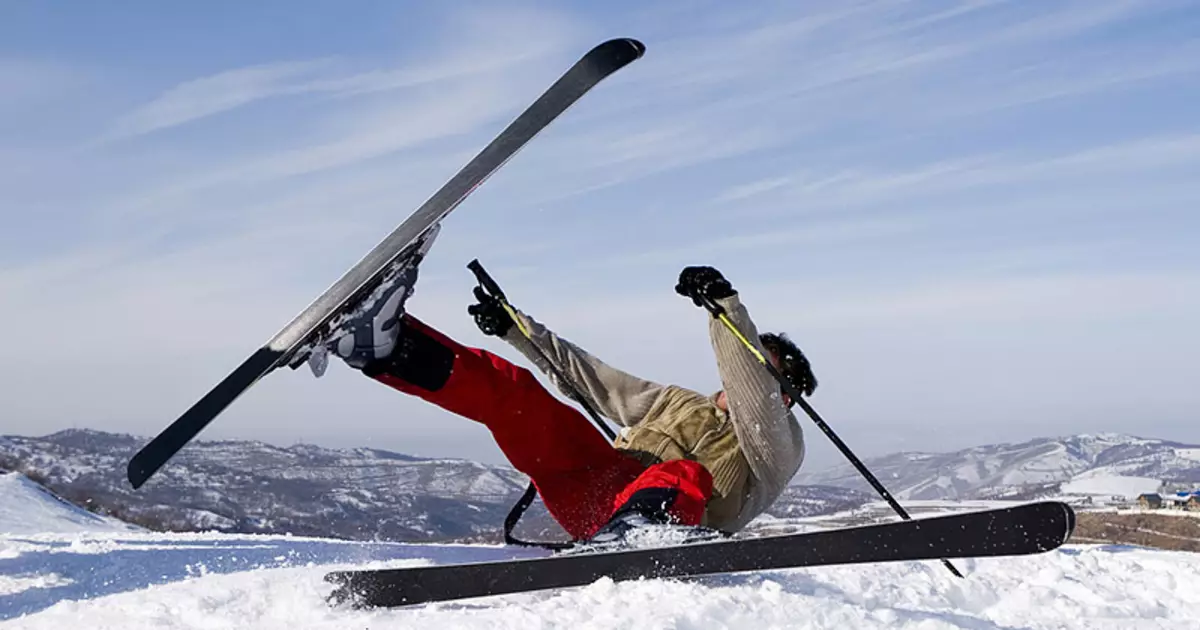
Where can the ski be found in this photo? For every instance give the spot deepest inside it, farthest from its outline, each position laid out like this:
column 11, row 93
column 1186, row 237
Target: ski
column 294, row 344
column 1021, row 530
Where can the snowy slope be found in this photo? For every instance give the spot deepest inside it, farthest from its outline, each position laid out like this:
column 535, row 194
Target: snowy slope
column 65, row 578
column 28, row 508
column 223, row 581
column 1105, row 484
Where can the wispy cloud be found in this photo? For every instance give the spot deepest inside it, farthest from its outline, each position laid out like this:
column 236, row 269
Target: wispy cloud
column 202, row 97
column 799, row 80
column 1159, row 157
column 207, row 96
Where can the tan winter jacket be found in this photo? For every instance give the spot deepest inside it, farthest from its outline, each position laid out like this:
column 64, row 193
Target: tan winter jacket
column 752, row 451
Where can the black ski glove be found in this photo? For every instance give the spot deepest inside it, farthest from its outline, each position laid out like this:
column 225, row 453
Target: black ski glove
column 489, row 314
column 703, row 282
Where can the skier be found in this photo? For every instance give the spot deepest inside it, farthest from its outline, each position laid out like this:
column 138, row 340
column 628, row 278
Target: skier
column 708, row 461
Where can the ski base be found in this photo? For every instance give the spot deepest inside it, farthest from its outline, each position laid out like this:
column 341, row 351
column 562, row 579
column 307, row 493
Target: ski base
column 1021, row 530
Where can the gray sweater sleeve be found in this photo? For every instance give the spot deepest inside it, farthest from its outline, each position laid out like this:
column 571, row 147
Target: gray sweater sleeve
column 621, row 397
column 768, row 433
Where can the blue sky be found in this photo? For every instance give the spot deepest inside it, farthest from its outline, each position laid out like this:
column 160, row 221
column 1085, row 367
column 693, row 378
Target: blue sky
column 977, row 218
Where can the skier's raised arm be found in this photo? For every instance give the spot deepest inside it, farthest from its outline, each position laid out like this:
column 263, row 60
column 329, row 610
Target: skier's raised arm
column 617, row 395
column 767, row 431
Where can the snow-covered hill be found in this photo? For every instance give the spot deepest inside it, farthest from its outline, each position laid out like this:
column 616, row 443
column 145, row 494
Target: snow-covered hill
column 252, row 487
column 28, row 508
column 1102, row 463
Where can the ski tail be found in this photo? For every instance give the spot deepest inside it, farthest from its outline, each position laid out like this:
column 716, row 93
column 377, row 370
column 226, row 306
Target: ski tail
column 291, row 344
column 153, row 455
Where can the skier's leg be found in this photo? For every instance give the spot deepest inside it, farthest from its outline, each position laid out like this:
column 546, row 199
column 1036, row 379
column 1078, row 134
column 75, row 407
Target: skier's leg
column 577, row 472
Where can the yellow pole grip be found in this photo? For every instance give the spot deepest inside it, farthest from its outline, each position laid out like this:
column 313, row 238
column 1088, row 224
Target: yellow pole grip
column 512, row 313
column 742, row 338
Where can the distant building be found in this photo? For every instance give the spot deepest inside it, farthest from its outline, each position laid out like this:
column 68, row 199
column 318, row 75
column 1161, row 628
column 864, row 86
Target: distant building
column 1193, row 503
column 1150, row 501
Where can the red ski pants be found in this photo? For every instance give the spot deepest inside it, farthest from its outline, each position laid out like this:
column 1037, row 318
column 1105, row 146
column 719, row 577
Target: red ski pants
column 581, row 478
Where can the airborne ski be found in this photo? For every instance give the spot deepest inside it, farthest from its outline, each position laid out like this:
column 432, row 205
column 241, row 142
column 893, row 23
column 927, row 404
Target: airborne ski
column 1021, row 530
column 294, row 344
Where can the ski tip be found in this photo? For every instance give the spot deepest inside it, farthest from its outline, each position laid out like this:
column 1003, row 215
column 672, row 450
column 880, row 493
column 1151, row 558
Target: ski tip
column 639, row 48
column 623, row 49
column 1065, row 517
column 353, row 590
column 1070, row 521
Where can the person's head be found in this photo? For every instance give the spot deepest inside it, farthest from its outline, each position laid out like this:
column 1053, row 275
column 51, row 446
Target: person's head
column 789, row 361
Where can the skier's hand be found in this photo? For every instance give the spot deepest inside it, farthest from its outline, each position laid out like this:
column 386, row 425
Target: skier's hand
column 489, row 314
column 703, row 282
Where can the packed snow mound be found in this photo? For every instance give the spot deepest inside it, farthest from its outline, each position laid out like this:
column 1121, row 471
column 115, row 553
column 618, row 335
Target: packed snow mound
column 28, row 508
column 1106, row 484
column 186, row 581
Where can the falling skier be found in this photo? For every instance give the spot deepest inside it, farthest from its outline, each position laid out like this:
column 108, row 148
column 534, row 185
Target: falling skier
column 713, row 461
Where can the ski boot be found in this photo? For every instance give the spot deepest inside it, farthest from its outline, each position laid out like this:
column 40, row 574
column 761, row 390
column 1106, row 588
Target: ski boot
column 368, row 332
column 644, row 522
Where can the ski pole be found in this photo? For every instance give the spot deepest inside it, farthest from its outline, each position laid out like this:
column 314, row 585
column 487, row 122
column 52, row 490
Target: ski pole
column 489, row 285
column 719, row 312
column 486, row 281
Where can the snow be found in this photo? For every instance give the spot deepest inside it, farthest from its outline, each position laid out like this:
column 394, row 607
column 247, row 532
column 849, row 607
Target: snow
column 1192, row 454
column 26, row 507
column 65, row 569
column 998, row 470
column 177, row 582
column 1101, row 483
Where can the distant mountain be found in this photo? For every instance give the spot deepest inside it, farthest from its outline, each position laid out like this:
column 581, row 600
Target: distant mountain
column 359, row 494
column 373, row 494
column 1035, row 468
column 252, row 487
